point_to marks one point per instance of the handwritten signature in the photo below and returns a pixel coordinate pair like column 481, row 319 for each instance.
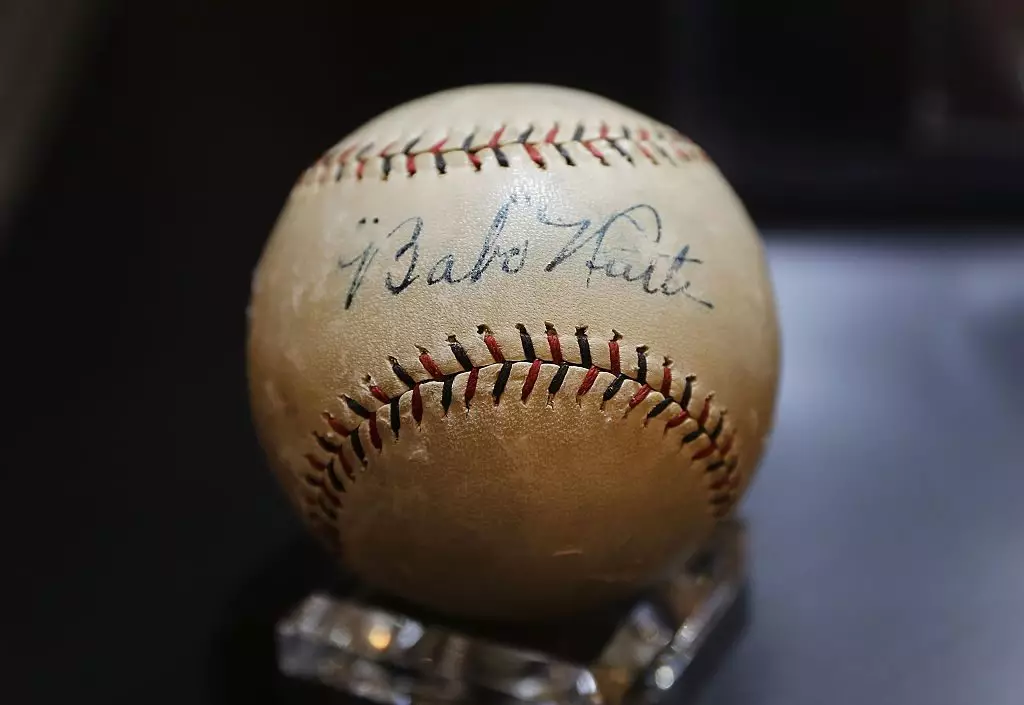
column 624, row 246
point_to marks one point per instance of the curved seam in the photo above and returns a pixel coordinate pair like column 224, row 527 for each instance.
column 394, row 156
column 327, row 481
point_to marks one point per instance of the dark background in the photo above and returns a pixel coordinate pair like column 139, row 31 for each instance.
column 146, row 547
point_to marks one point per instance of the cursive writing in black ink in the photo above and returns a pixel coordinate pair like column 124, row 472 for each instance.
column 624, row 247
column 412, row 248
column 512, row 257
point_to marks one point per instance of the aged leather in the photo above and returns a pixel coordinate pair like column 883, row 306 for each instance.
column 586, row 273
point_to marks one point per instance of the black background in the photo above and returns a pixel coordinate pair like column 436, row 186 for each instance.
column 144, row 540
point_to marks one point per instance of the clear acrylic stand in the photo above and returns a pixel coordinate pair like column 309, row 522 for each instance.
column 388, row 656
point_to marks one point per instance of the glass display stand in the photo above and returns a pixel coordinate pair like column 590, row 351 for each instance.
column 632, row 654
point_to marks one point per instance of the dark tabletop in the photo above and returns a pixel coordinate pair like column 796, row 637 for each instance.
column 886, row 523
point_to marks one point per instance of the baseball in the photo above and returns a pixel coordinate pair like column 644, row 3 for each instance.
column 513, row 350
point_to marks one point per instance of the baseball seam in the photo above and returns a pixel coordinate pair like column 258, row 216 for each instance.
column 544, row 147
column 347, row 445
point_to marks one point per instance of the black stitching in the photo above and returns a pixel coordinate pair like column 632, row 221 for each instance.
column 565, row 154
column 556, row 381
column 499, row 384
column 614, row 387
column 641, row 364
column 329, row 511
column 460, row 353
column 714, row 434
column 333, row 477
column 356, row 407
column 357, row 447
column 618, row 148
column 524, row 336
column 693, row 435
column 361, row 158
column 446, row 393
column 326, row 444
column 400, row 372
column 581, row 339
column 332, row 499
column 396, row 416
column 687, row 393
column 361, row 154
column 660, row 407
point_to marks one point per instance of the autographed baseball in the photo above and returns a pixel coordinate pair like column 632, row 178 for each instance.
column 513, row 350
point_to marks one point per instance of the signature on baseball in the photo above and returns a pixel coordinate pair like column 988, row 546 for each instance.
column 625, row 246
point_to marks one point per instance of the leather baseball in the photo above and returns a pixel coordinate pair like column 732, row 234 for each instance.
column 513, row 350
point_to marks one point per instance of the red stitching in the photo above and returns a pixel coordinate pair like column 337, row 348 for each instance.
column 471, row 384
column 700, row 455
column 335, row 424
column 531, row 379
column 720, row 484
column 726, row 445
column 588, row 381
column 535, row 155
column 430, row 366
column 720, row 501
column 640, row 395
column 316, row 462
column 324, row 164
column 683, row 415
column 613, row 353
column 496, row 138
column 705, row 411
column 417, row 403
column 556, row 346
column 320, row 171
column 594, row 150
column 344, row 155
column 494, row 347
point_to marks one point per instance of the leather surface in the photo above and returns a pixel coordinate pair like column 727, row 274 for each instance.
column 503, row 238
